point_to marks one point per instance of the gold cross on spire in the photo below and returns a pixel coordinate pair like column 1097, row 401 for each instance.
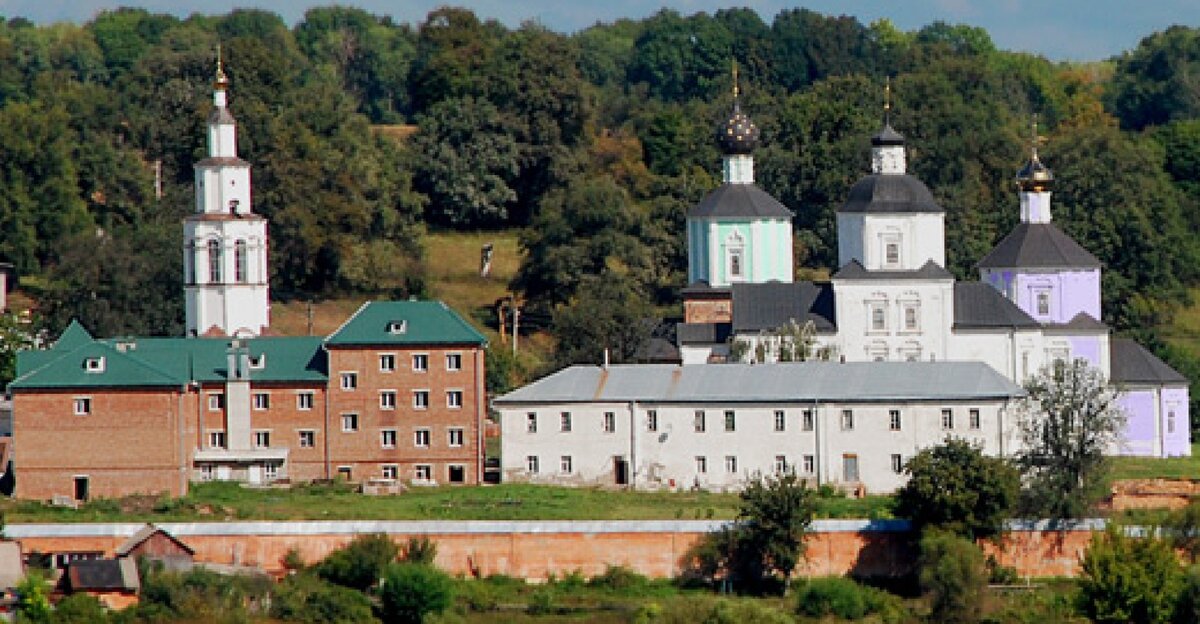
column 736, row 91
column 221, row 79
column 1035, row 139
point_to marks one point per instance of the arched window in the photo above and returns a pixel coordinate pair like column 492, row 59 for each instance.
column 214, row 261
column 239, row 262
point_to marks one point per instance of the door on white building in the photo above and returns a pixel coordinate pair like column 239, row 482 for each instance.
column 850, row 468
column 620, row 470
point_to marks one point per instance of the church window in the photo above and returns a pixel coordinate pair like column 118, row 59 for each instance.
column 735, row 264
column 735, row 257
column 1043, row 303
column 1170, row 421
column 239, row 261
column 189, row 261
column 214, row 261
column 878, row 318
column 912, row 317
column 892, row 254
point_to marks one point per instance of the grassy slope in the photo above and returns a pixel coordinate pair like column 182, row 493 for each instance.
column 1151, row 468
column 229, row 501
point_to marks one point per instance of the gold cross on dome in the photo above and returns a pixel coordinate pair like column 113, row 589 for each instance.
column 736, row 91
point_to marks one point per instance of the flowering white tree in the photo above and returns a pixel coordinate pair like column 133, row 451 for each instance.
column 1068, row 421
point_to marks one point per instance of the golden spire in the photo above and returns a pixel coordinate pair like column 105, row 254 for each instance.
column 887, row 100
column 1034, row 176
column 222, row 80
column 1034, row 139
column 736, row 91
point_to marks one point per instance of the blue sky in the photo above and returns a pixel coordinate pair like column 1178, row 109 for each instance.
column 1079, row 30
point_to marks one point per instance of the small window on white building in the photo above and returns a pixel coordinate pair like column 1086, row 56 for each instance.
column 531, row 464
column 806, row 420
column 701, row 464
column 531, row 422
column 809, row 464
column 730, row 420
column 652, row 420
column 565, row 465
column 564, row 422
column 610, row 422
column 891, row 253
column 912, row 317
column 973, row 419
column 731, row 464
column 897, row 463
column 878, row 314
column 894, row 420
column 947, row 419
column 736, row 267
column 780, row 420
column 781, row 465
column 847, row 420
column 698, row 422
column 850, row 468
column 1170, row 420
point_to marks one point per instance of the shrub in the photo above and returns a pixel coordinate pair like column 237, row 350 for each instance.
column 306, row 598
column 955, row 487
column 840, row 596
column 413, row 590
column 710, row 610
column 359, row 564
column 620, row 579
column 1129, row 579
column 420, row 550
column 954, row 575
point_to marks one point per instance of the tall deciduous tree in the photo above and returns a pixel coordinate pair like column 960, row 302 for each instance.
column 956, row 488
column 1068, row 422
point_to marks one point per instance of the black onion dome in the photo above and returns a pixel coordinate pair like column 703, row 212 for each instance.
column 890, row 193
column 887, row 136
column 1034, row 176
column 738, row 135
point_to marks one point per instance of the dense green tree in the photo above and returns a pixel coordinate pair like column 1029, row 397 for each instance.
column 1067, row 423
column 774, row 514
column 127, row 34
column 1125, row 579
column 1156, row 82
column 79, row 609
column 954, row 575
column 306, row 598
column 361, row 563
column 680, row 58
column 453, row 48
column 809, row 47
column 954, row 487
column 608, row 319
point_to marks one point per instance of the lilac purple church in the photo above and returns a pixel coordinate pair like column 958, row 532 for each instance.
column 891, row 299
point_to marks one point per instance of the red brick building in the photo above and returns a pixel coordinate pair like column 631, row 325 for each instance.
column 397, row 392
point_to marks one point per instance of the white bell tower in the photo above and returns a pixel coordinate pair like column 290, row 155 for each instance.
column 225, row 243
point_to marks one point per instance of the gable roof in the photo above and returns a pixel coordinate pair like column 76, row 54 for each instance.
column 75, row 335
column 979, row 306
column 1081, row 321
column 1038, row 245
column 702, row 333
column 739, row 200
column 424, row 322
column 771, row 305
column 890, row 193
column 145, row 533
column 1130, row 362
column 854, row 270
column 92, row 365
column 850, row 382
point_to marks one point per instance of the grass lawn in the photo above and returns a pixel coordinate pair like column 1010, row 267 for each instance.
column 1151, row 468
column 228, row 501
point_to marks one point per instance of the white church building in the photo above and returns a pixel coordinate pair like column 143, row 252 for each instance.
column 891, row 316
column 225, row 244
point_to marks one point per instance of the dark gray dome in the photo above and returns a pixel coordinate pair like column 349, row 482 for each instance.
column 1034, row 176
column 890, row 193
column 738, row 135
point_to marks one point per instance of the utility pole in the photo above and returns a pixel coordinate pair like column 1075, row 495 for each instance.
column 516, row 320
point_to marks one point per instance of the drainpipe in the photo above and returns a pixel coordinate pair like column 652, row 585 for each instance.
column 480, row 401
column 182, row 449
column 818, row 456
column 328, row 394
column 633, row 469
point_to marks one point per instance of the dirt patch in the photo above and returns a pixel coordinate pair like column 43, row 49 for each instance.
column 1153, row 493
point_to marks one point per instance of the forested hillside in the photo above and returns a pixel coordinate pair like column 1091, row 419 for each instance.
column 596, row 142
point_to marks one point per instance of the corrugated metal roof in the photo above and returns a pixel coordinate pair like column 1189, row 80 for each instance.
column 890, row 193
column 791, row 381
column 1038, row 245
column 856, row 271
column 405, row 322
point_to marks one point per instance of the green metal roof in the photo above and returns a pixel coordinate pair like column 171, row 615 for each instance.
column 75, row 335
column 405, row 322
column 140, row 362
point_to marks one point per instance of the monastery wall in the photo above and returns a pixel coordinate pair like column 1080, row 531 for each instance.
column 536, row 549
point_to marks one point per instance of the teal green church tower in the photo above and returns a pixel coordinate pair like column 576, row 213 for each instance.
column 739, row 233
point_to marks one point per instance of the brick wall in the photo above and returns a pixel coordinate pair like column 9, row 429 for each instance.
column 535, row 550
